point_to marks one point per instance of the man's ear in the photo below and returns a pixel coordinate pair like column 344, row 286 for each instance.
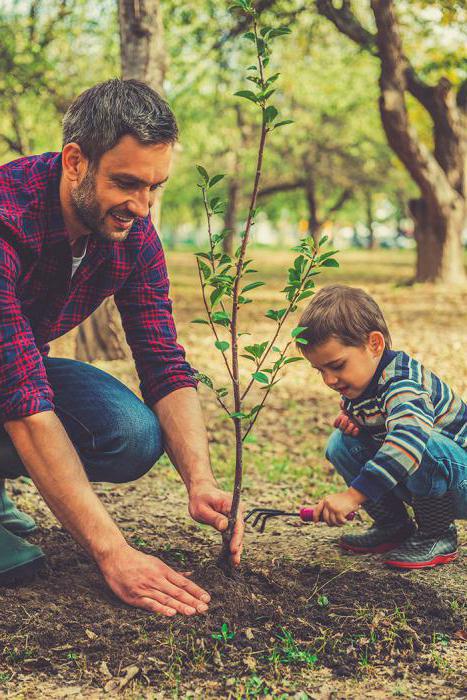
column 74, row 162
column 376, row 342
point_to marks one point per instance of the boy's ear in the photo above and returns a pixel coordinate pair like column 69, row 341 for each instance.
column 376, row 342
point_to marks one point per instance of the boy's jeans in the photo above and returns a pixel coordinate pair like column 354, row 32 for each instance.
column 116, row 435
column 443, row 468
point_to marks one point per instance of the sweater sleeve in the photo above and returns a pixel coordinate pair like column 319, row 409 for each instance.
column 146, row 312
column 409, row 423
column 24, row 388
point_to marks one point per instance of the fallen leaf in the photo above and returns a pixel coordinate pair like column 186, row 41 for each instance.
column 460, row 634
column 90, row 634
column 104, row 670
column 250, row 662
column 249, row 633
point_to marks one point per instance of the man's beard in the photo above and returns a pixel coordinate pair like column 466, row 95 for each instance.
column 86, row 206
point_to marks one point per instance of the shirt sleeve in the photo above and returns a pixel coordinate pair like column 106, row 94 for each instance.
column 24, row 388
column 409, row 423
column 146, row 312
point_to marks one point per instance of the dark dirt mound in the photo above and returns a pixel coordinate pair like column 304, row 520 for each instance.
column 265, row 617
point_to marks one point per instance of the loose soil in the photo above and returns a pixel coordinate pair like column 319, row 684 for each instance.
column 300, row 619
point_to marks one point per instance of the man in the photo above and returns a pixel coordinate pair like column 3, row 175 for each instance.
column 75, row 228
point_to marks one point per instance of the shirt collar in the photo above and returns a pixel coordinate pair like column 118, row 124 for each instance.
column 386, row 358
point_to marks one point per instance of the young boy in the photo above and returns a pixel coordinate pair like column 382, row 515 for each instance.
column 401, row 438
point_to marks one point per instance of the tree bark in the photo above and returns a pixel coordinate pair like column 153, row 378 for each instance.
column 441, row 174
column 143, row 57
column 370, row 220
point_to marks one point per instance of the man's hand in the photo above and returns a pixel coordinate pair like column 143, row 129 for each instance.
column 146, row 582
column 334, row 508
column 208, row 504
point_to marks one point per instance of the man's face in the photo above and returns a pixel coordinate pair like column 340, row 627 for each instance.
column 122, row 188
column 344, row 368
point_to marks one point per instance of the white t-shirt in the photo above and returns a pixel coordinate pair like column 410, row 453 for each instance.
column 77, row 261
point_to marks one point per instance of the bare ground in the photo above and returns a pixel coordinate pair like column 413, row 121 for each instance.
column 301, row 619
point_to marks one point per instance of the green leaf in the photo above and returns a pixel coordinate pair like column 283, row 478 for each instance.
column 247, row 94
column 260, row 377
column 252, row 285
column 292, row 359
column 305, row 294
column 222, row 392
column 222, row 318
column 200, row 320
column 204, row 269
column 250, row 36
column 249, row 357
column 286, row 121
column 222, row 345
column 204, row 379
column 204, row 173
column 330, row 262
column 296, row 331
column 270, row 113
column 302, row 341
column 216, row 295
column 239, row 414
column 215, row 179
column 322, row 240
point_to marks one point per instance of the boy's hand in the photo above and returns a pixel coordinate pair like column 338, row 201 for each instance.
column 334, row 508
column 346, row 424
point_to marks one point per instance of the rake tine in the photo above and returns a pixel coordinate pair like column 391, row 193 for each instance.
column 261, row 510
column 272, row 515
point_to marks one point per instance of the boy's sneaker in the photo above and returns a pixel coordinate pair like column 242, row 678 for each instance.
column 378, row 539
column 19, row 560
column 422, row 552
column 435, row 542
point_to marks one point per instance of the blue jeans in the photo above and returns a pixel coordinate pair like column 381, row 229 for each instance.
column 443, row 468
column 117, row 436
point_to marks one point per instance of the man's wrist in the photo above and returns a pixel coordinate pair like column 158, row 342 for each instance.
column 197, row 481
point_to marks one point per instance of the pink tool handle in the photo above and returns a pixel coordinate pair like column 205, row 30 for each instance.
column 306, row 515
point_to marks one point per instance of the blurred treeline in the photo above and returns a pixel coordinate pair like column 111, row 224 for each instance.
column 332, row 163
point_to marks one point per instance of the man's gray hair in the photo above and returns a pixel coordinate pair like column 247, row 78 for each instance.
column 101, row 115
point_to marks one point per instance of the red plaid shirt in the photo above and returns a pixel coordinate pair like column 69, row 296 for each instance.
column 39, row 301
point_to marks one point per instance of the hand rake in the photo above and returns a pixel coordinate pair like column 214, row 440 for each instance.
column 261, row 516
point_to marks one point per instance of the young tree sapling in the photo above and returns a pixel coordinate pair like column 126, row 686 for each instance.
column 222, row 277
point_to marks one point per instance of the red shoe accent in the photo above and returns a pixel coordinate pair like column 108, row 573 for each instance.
column 379, row 549
column 440, row 559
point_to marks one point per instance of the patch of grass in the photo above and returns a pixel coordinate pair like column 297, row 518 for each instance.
column 289, row 651
column 5, row 677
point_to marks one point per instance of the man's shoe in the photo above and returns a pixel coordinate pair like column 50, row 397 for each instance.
column 19, row 560
column 378, row 539
column 422, row 552
column 13, row 519
column 435, row 542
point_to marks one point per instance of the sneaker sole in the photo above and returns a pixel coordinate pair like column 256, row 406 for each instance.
column 379, row 549
column 22, row 574
column 436, row 561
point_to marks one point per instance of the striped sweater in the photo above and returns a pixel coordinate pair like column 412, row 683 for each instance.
column 402, row 407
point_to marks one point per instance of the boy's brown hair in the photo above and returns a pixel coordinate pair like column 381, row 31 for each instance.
column 346, row 313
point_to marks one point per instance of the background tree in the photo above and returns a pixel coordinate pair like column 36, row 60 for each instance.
column 143, row 57
column 439, row 172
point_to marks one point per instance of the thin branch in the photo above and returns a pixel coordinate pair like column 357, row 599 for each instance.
column 211, row 322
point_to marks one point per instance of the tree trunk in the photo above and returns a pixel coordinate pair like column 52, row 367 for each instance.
column 441, row 174
column 143, row 57
column 370, row 220
column 439, row 258
column 314, row 224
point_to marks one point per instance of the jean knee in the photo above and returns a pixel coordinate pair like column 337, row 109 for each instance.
column 346, row 453
column 135, row 446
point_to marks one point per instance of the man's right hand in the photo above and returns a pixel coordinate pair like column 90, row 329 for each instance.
column 346, row 424
column 146, row 582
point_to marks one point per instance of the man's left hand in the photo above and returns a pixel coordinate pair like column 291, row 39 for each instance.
column 209, row 505
column 334, row 508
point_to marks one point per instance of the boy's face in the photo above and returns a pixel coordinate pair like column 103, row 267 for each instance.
column 345, row 368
